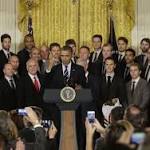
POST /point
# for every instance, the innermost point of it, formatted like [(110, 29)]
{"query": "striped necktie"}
[(66, 73)]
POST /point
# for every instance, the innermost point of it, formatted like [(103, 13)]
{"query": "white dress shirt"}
[(10, 78), (68, 68), (7, 53), (111, 75), (33, 79)]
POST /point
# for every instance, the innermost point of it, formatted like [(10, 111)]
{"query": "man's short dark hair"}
[(117, 113), (54, 45), (122, 38), (5, 36), (70, 42), (97, 36), (131, 50), (66, 48), (86, 47), (147, 40)]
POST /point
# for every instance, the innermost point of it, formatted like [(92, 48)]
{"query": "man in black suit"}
[(96, 55), (122, 46), (66, 73), (108, 86), (14, 61), (124, 69), (8, 99), (54, 56), (71, 43), (5, 52), (24, 54), (141, 59), (112, 86), (138, 90), (31, 86), (146, 72)]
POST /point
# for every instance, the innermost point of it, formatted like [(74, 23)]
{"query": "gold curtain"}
[(58, 20)]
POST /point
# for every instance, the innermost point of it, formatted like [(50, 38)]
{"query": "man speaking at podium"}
[(65, 74)]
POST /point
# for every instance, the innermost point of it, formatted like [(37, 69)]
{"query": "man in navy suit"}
[(5, 52)]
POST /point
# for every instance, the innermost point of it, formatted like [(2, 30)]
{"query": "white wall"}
[(8, 22), (142, 24)]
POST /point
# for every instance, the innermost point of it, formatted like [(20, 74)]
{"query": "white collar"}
[(69, 65), (110, 74), (32, 76), (136, 80), (8, 78), (122, 53), (6, 52)]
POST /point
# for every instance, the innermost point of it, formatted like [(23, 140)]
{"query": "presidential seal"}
[(67, 94)]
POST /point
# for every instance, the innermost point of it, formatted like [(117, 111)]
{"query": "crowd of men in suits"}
[(109, 74)]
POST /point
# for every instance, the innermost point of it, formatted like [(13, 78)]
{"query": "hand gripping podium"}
[(68, 100)]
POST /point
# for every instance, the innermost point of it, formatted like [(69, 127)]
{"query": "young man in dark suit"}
[(124, 70), (108, 86), (8, 99), (95, 56), (138, 90), (141, 59), (71, 43), (24, 54), (31, 86), (146, 72), (5, 52)]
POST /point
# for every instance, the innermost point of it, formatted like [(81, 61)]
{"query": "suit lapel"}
[(7, 83)]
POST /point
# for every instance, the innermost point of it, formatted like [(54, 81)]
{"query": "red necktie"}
[(36, 84)]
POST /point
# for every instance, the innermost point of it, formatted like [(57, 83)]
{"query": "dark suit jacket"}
[(94, 68), (27, 94), (56, 80), (117, 90), (23, 56), (3, 61), (140, 60), (8, 99), (141, 95)]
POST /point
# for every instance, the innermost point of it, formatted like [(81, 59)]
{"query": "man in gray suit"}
[(138, 90)]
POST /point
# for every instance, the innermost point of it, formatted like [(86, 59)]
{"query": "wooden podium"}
[(68, 137)]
